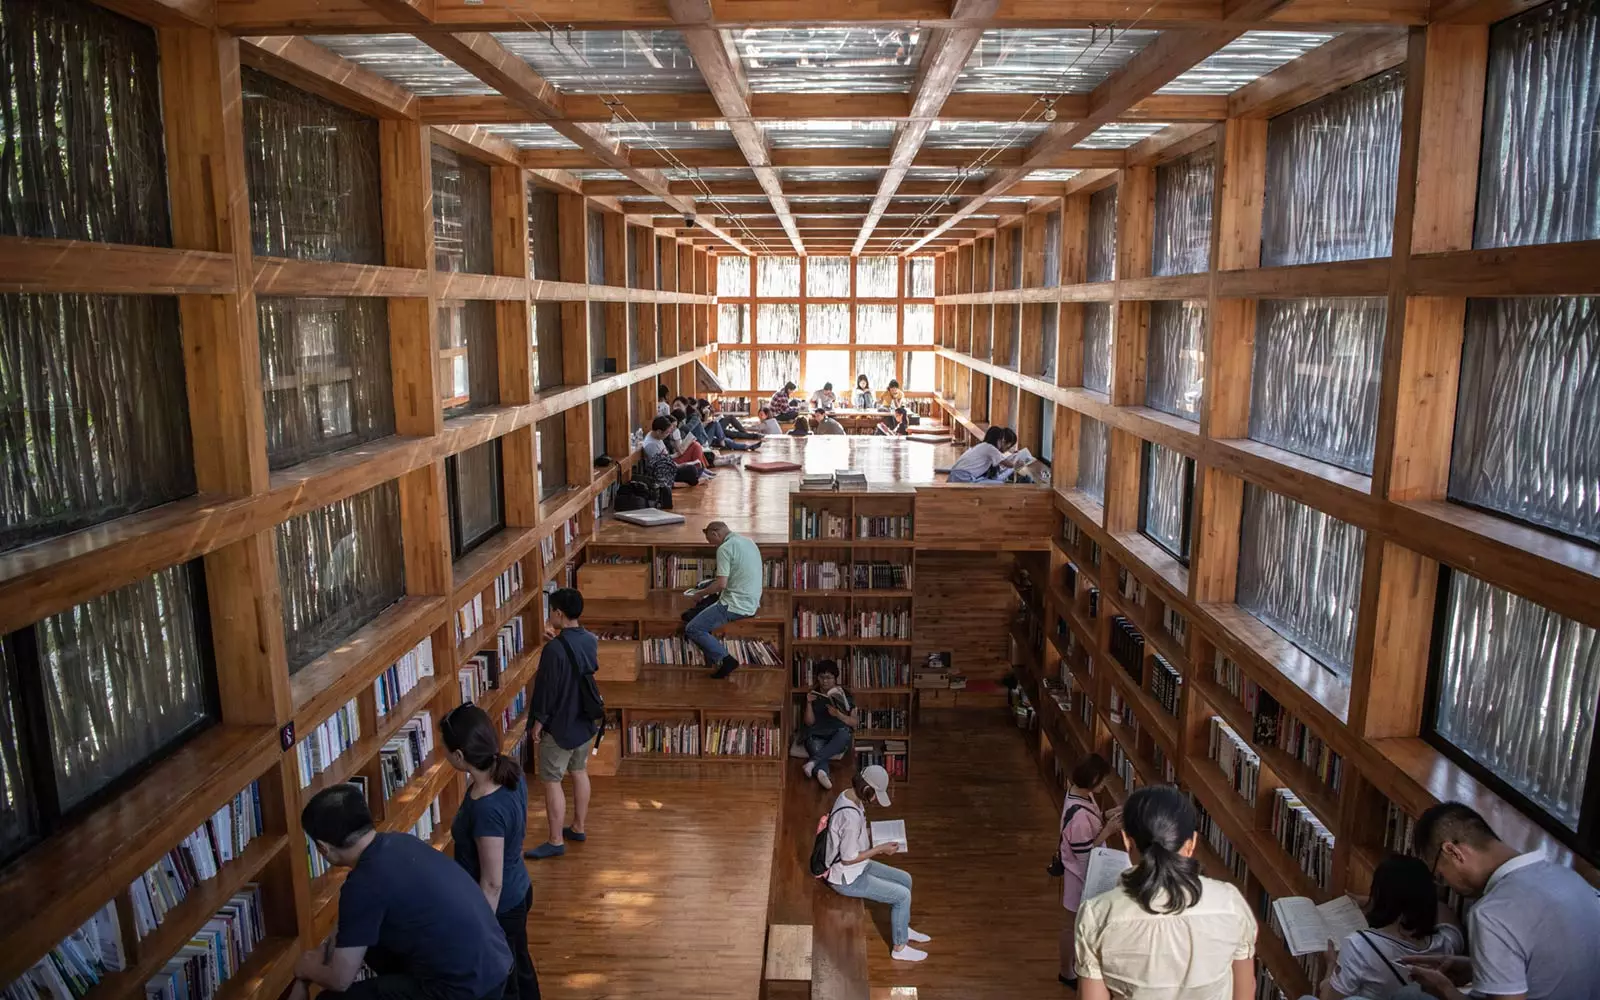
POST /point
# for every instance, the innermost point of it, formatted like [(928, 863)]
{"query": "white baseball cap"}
[(878, 778)]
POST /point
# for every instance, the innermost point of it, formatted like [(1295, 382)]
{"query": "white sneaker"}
[(808, 768), (824, 780), (907, 954), (917, 936)]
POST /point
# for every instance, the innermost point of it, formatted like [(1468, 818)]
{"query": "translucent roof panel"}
[(1051, 175), (982, 135), (828, 174), (797, 133), (711, 174), (407, 61), (1120, 135), (1048, 61), (944, 174), (1248, 57), (598, 62), (801, 199), (672, 135), (853, 60), (599, 175), (532, 136)]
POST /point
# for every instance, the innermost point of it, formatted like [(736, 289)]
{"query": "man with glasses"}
[(1534, 932)]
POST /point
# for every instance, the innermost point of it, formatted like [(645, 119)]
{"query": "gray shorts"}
[(556, 763)]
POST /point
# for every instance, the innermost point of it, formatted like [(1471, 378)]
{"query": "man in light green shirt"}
[(738, 583)]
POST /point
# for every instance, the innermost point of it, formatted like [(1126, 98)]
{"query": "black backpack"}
[(591, 705), (635, 496), (819, 847)]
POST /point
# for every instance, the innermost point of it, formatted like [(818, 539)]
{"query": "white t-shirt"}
[(847, 838), (653, 445), (770, 426), (978, 460), (823, 399), (1166, 956), (663, 409), (1534, 931), (1362, 970)]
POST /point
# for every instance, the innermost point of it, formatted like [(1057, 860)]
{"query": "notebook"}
[(650, 517), (885, 830)]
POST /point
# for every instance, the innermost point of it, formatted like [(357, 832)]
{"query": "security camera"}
[(688, 220)]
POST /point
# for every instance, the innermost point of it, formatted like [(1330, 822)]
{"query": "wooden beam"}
[(942, 62), (321, 71), (1337, 63), (861, 157), (83, 266), (166, 13)]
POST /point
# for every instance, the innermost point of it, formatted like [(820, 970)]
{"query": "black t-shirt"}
[(827, 723), (501, 813), (427, 914)]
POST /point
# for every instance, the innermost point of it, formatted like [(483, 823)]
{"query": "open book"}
[(885, 830), (1309, 928), (1106, 865)]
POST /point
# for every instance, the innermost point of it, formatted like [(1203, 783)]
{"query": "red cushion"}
[(773, 466)]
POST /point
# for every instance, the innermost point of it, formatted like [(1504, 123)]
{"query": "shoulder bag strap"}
[(572, 656), (1366, 936), (832, 813)]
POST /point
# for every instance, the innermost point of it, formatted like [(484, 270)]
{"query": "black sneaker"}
[(1072, 982), (726, 667)]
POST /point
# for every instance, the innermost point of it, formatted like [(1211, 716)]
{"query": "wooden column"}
[(573, 224), (983, 315), (644, 276), (669, 283), (514, 341), (1135, 232), (963, 332), (1074, 270), (1005, 278), (1031, 356), (616, 273)]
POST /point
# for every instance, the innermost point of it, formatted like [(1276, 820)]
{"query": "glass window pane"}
[(94, 417), (1332, 168), (733, 323), (920, 375), (876, 324), (1300, 573), (463, 239), (774, 368), (1047, 433), (828, 277), (919, 278), (19, 817), (1092, 457), (1176, 357), (550, 442), (878, 366), (1314, 381), (778, 277), (1097, 324), (1102, 262), (1527, 439), (778, 323), (827, 366), (313, 172), (1168, 487), (338, 567), (324, 374), (919, 324), (474, 380), (1183, 214), (83, 153), (477, 496), (877, 277), (828, 323), (1539, 175), (733, 369), (124, 677), (733, 275), (1518, 685)]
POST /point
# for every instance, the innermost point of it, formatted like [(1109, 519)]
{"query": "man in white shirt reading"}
[(1534, 932)]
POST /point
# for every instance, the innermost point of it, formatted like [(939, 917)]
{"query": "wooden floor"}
[(668, 897), (756, 504)]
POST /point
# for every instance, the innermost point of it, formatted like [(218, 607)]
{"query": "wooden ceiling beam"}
[(354, 16), (495, 109), (900, 209), (724, 75), (1338, 63), (823, 156), (166, 13), (325, 73), (796, 189), (941, 65)]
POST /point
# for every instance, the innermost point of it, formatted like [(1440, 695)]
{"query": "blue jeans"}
[(700, 628), (882, 884), (823, 748), (719, 438)]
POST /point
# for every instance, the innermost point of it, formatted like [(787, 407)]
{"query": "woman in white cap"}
[(852, 870)]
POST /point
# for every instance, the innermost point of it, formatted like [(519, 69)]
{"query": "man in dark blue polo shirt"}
[(411, 914), (556, 724)]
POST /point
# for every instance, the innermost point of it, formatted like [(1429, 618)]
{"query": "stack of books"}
[(423, 828), (402, 676), (469, 618), (1176, 625), (1166, 685), (675, 651), (883, 526), (741, 738), (890, 755), (198, 858), (1277, 727), (1127, 647), (1303, 836), (507, 584), (1123, 767), (892, 720), (812, 624), (814, 525), (77, 964), (661, 737), (404, 755), (1213, 835), (823, 574), (883, 624), (1239, 764), (1129, 586), (215, 953), (328, 742), (881, 575)]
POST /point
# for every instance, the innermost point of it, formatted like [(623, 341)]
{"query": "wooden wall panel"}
[(964, 604)]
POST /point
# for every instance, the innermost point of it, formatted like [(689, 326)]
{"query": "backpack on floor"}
[(819, 847)]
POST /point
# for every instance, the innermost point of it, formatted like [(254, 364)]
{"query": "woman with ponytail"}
[(488, 832), (1168, 932)]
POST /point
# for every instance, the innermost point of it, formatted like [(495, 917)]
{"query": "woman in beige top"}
[(1167, 932)]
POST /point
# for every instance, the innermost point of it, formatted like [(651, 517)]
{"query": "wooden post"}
[(616, 273), (514, 342), (1031, 359), (572, 221), (1135, 233)]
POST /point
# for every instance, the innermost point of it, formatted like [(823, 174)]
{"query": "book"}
[(890, 830), (1106, 865), (1308, 928)]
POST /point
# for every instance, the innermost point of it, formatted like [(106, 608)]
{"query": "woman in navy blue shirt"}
[(488, 832)]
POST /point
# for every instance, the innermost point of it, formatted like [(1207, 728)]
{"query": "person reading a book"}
[(1532, 932), (768, 423), (659, 463), (684, 448), (1407, 921), (717, 435), (853, 868), (410, 914), (558, 727), (738, 589), (1166, 931), (896, 424), (991, 460), (1083, 828), (831, 719), (488, 830)]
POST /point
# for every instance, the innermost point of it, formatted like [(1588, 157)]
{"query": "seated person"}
[(407, 911), (658, 465), (896, 424), (769, 423), (802, 427), (715, 435), (824, 398), (1407, 920), (827, 425), (781, 406), (892, 398), (990, 462), (862, 398), (662, 407), (830, 722), (684, 448), (732, 425)]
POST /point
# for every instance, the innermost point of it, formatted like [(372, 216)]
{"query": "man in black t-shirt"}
[(408, 912), (830, 722)]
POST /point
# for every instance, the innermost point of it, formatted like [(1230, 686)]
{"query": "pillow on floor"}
[(773, 466)]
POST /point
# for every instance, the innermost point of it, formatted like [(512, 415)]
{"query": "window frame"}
[(1187, 540), (1585, 840), (460, 545)]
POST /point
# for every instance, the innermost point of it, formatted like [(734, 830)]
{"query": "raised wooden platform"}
[(748, 690)]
